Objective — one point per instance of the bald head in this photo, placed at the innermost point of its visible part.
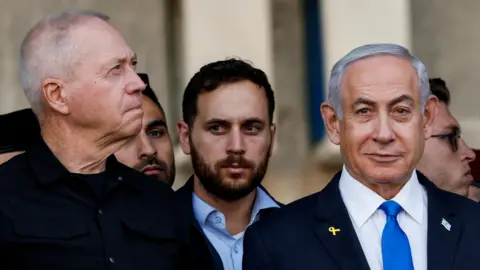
(48, 50)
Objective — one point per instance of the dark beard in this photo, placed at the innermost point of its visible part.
(213, 182)
(152, 160)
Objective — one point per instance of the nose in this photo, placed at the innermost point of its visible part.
(236, 143)
(134, 83)
(146, 147)
(383, 130)
(467, 153)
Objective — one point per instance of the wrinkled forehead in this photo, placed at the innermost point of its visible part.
(381, 77)
(234, 102)
(98, 42)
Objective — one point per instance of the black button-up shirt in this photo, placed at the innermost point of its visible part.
(51, 219)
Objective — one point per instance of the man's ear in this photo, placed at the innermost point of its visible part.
(331, 121)
(55, 96)
(429, 114)
(184, 135)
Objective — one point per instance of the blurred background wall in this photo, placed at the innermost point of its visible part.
(295, 41)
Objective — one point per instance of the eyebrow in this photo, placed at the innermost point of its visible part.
(253, 120)
(225, 122)
(391, 103)
(364, 101)
(402, 98)
(123, 60)
(452, 128)
(156, 123)
(216, 121)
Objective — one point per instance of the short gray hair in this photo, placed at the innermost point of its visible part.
(47, 51)
(362, 52)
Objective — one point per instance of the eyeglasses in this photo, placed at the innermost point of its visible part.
(452, 139)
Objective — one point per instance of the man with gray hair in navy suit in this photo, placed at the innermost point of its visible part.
(378, 212)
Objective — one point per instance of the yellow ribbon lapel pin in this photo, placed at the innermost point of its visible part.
(333, 230)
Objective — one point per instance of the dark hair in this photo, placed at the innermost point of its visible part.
(216, 74)
(148, 92)
(18, 130)
(439, 88)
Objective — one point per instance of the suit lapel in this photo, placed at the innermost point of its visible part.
(202, 246)
(331, 214)
(441, 242)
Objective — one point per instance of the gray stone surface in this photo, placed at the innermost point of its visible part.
(290, 81)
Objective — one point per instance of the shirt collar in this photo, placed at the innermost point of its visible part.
(48, 169)
(45, 165)
(412, 197)
(362, 202)
(262, 202)
(202, 210)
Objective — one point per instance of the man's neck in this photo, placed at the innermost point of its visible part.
(76, 150)
(237, 213)
(386, 190)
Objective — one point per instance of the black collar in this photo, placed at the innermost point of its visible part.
(48, 169)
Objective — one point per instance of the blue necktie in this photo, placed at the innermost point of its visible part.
(395, 247)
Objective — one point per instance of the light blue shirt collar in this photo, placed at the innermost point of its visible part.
(213, 224)
(203, 210)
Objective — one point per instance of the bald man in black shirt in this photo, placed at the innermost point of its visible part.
(67, 203)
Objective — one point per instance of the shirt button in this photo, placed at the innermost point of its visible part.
(218, 220)
(112, 260)
(120, 178)
(235, 249)
(100, 211)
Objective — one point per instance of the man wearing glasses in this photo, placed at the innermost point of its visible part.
(446, 157)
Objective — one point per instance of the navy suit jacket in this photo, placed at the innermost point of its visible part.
(298, 237)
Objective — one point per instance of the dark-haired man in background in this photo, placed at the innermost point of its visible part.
(151, 151)
(17, 130)
(228, 130)
(445, 160)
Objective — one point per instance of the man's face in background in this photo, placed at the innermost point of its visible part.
(445, 160)
(151, 151)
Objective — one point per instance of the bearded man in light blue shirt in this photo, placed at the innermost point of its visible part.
(228, 131)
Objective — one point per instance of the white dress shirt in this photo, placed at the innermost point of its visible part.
(368, 221)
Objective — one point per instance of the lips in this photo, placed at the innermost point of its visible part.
(383, 157)
(468, 175)
(235, 168)
(136, 108)
(152, 170)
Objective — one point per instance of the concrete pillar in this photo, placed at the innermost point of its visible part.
(286, 175)
(446, 39)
